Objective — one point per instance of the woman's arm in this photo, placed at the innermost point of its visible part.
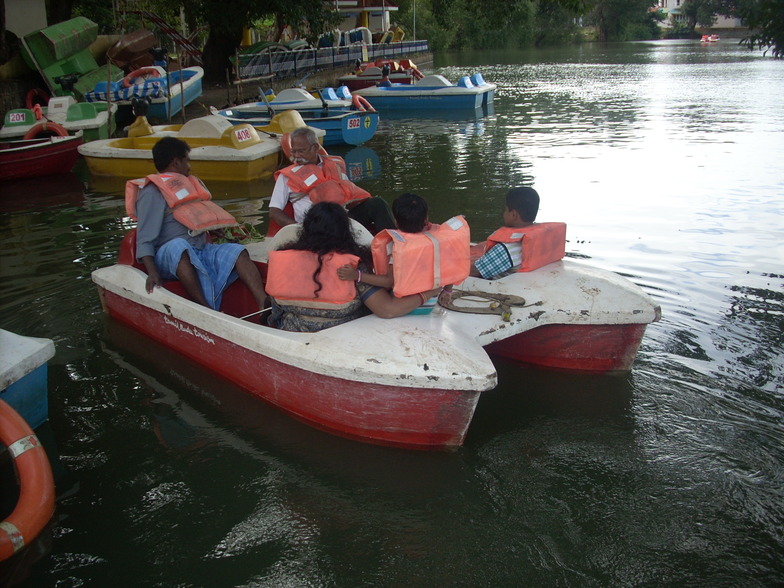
(384, 305)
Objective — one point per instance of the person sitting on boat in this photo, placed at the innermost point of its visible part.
(314, 177)
(307, 294)
(506, 255)
(168, 240)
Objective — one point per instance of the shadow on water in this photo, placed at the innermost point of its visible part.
(192, 404)
(41, 192)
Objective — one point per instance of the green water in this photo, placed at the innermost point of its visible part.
(664, 160)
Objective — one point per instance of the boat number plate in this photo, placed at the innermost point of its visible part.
(16, 117)
(243, 135)
(353, 123)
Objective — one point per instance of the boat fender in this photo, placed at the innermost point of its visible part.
(35, 505)
(361, 103)
(46, 129)
(36, 93)
(143, 72)
(38, 111)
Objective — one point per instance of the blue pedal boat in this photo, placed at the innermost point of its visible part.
(23, 375)
(432, 92)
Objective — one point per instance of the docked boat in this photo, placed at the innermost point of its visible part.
(410, 382)
(167, 92)
(302, 100)
(342, 126)
(26, 158)
(219, 150)
(92, 118)
(370, 74)
(431, 92)
(23, 407)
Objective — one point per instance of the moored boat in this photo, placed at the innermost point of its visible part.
(24, 407)
(219, 150)
(26, 158)
(342, 126)
(92, 118)
(370, 74)
(167, 92)
(431, 92)
(412, 381)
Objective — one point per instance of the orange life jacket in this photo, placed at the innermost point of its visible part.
(290, 278)
(543, 243)
(423, 261)
(187, 196)
(325, 183)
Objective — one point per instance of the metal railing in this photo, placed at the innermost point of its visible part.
(270, 64)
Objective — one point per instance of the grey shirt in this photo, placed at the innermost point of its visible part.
(157, 225)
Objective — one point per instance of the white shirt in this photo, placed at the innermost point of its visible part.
(281, 195)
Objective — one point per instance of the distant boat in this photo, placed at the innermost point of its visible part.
(90, 117)
(369, 74)
(710, 38)
(431, 92)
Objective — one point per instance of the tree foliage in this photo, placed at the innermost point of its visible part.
(765, 19)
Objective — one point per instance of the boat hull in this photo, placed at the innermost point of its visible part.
(399, 416)
(38, 157)
(342, 126)
(598, 349)
(221, 170)
(402, 98)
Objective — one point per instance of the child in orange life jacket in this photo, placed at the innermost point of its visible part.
(520, 210)
(411, 214)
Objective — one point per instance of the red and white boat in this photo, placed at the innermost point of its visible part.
(369, 74)
(410, 382)
(41, 156)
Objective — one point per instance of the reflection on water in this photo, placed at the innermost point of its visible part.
(664, 161)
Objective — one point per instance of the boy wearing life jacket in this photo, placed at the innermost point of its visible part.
(171, 240)
(411, 215)
(316, 177)
(504, 251)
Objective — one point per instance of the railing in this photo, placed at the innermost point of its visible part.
(302, 61)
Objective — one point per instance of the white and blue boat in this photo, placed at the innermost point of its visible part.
(343, 126)
(168, 93)
(300, 99)
(23, 375)
(432, 92)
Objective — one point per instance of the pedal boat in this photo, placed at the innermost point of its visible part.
(431, 92)
(410, 382)
(219, 150)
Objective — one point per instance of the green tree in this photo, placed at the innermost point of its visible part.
(700, 12)
(622, 20)
(765, 19)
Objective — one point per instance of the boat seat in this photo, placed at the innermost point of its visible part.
(237, 299)
(464, 82)
(343, 93)
(478, 80)
(329, 94)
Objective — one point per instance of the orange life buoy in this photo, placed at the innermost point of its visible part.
(417, 74)
(46, 129)
(143, 72)
(361, 103)
(35, 505)
(36, 93)
(38, 111)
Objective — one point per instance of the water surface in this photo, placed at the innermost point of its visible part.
(664, 160)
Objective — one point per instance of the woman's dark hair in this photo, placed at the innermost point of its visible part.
(326, 228)
(525, 201)
(167, 150)
(410, 212)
